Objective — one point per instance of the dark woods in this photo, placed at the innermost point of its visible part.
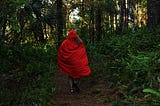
(39, 20)
(121, 36)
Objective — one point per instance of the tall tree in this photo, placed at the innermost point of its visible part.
(91, 24)
(98, 19)
(153, 7)
(123, 15)
(59, 21)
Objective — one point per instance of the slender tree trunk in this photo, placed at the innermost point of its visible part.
(131, 15)
(121, 2)
(112, 22)
(91, 26)
(124, 15)
(158, 12)
(153, 13)
(59, 21)
(98, 24)
(116, 21)
(22, 22)
(40, 32)
(4, 28)
(82, 10)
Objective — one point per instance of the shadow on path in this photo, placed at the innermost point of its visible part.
(86, 97)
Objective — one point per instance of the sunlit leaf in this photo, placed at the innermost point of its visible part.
(152, 91)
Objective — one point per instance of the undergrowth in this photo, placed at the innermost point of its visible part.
(132, 61)
(26, 74)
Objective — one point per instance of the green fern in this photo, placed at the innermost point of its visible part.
(152, 91)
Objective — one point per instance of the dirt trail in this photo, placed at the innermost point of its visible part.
(87, 97)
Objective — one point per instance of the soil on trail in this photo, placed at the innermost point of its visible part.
(90, 94)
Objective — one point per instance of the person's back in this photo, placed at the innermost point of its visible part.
(72, 59)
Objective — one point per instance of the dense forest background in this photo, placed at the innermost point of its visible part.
(122, 38)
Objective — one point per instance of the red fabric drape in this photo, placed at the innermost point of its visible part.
(72, 57)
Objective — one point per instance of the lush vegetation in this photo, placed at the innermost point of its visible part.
(26, 74)
(30, 31)
(132, 62)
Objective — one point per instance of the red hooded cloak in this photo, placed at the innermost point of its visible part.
(72, 57)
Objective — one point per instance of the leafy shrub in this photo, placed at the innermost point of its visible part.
(133, 56)
(26, 74)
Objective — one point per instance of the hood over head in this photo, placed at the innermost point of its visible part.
(72, 34)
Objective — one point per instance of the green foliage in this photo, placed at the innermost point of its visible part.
(152, 91)
(154, 94)
(26, 74)
(130, 60)
(24, 21)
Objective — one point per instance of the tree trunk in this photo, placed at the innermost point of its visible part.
(91, 26)
(153, 13)
(124, 15)
(98, 24)
(112, 22)
(59, 21)
(150, 14)
(4, 28)
(82, 11)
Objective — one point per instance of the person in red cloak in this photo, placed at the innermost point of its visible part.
(73, 60)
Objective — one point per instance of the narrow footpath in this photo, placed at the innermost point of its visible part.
(90, 95)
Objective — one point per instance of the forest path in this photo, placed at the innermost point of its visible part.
(91, 94)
